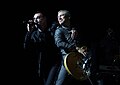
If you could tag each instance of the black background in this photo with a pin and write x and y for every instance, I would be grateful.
(92, 17)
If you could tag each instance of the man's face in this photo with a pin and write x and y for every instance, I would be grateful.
(62, 17)
(39, 18)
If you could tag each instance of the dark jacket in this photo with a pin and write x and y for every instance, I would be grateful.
(64, 41)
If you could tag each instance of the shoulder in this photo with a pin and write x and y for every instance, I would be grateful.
(59, 28)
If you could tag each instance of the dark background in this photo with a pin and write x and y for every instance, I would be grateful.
(92, 17)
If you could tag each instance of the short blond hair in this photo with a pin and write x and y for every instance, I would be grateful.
(66, 12)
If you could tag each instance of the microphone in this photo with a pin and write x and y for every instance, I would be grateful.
(28, 22)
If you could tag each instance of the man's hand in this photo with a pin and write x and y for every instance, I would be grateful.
(82, 50)
(74, 34)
